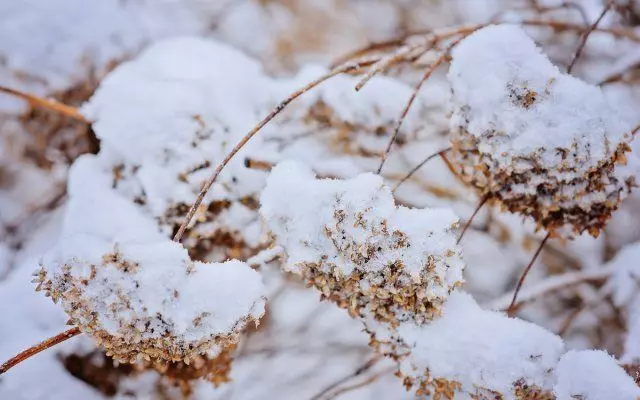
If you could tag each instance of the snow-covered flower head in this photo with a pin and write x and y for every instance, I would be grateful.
(349, 240)
(541, 143)
(150, 302)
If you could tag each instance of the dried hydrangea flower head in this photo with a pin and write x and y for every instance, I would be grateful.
(472, 353)
(349, 240)
(163, 133)
(541, 143)
(149, 303)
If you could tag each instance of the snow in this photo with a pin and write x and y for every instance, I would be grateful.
(129, 198)
(518, 103)
(593, 375)
(302, 212)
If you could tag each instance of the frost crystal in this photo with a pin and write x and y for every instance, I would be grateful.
(540, 142)
(349, 240)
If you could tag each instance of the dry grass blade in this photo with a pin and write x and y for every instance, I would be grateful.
(511, 310)
(470, 220)
(585, 36)
(350, 67)
(48, 104)
(59, 338)
(417, 167)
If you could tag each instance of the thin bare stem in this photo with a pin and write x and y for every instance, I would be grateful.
(585, 36)
(205, 188)
(417, 167)
(361, 370)
(470, 220)
(48, 104)
(511, 310)
(427, 74)
(358, 385)
(32, 351)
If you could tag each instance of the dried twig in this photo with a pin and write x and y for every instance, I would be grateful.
(417, 167)
(585, 36)
(31, 351)
(511, 310)
(48, 104)
(475, 212)
(205, 188)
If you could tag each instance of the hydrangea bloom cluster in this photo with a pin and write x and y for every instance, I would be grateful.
(350, 240)
(541, 143)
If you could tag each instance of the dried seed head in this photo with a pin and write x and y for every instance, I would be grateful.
(349, 240)
(150, 303)
(541, 143)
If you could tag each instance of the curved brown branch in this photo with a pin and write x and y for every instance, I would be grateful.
(48, 104)
(511, 310)
(585, 36)
(205, 188)
(32, 351)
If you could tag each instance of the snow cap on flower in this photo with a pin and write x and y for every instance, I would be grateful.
(150, 302)
(350, 240)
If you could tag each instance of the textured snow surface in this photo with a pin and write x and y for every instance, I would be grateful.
(179, 107)
(480, 349)
(593, 375)
(302, 212)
